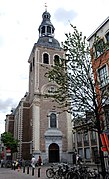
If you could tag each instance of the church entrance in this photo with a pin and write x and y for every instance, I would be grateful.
(53, 153)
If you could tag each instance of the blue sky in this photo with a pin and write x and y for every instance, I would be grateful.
(19, 22)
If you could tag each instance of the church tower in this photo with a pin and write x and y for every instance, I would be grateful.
(51, 131)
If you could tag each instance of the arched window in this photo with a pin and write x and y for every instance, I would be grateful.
(43, 30)
(45, 58)
(53, 122)
(30, 67)
(56, 59)
(49, 29)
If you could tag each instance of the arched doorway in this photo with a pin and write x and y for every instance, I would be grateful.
(53, 153)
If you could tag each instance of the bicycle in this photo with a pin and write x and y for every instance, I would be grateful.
(107, 175)
(62, 171)
(58, 172)
(73, 173)
(51, 172)
(82, 172)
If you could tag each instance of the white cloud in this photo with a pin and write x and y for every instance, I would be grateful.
(64, 16)
(5, 105)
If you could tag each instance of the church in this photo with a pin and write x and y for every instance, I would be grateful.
(38, 124)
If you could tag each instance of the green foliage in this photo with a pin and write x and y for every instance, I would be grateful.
(74, 77)
(76, 84)
(9, 141)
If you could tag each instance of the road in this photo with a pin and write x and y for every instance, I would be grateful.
(7, 173)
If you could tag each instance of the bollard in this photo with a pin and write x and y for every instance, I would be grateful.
(39, 172)
(11, 167)
(27, 169)
(32, 171)
(18, 168)
(23, 169)
(14, 167)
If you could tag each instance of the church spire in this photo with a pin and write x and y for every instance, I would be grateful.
(46, 31)
(46, 28)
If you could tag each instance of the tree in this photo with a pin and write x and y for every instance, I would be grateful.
(9, 141)
(78, 88)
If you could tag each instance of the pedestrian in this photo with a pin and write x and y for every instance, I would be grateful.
(33, 161)
(79, 159)
(1, 163)
(23, 163)
(39, 161)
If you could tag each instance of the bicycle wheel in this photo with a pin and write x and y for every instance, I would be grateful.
(58, 175)
(85, 176)
(49, 173)
(107, 176)
(72, 175)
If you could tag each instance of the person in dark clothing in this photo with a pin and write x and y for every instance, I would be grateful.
(39, 161)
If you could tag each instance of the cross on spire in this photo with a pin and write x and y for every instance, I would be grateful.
(45, 6)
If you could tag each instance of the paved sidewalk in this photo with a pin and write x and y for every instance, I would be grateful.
(7, 173)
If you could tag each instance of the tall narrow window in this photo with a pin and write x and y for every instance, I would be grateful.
(80, 152)
(53, 122)
(99, 48)
(43, 30)
(87, 153)
(93, 138)
(30, 67)
(106, 117)
(33, 61)
(49, 29)
(107, 37)
(79, 137)
(86, 139)
(45, 58)
(93, 135)
(56, 59)
(103, 76)
(95, 155)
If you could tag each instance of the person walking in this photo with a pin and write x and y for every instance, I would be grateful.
(39, 161)
(33, 161)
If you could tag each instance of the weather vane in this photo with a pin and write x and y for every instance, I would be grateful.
(45, 6)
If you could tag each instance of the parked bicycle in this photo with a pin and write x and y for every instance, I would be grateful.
(107, 173)
(51, 172)
(82, 172)
(58, 172)
(62, 171)
(77, 171)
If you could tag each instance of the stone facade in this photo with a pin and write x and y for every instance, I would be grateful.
(38, 125)
(47, 140)
(9, 123)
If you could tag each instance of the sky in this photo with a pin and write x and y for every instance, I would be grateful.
(19, 23)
